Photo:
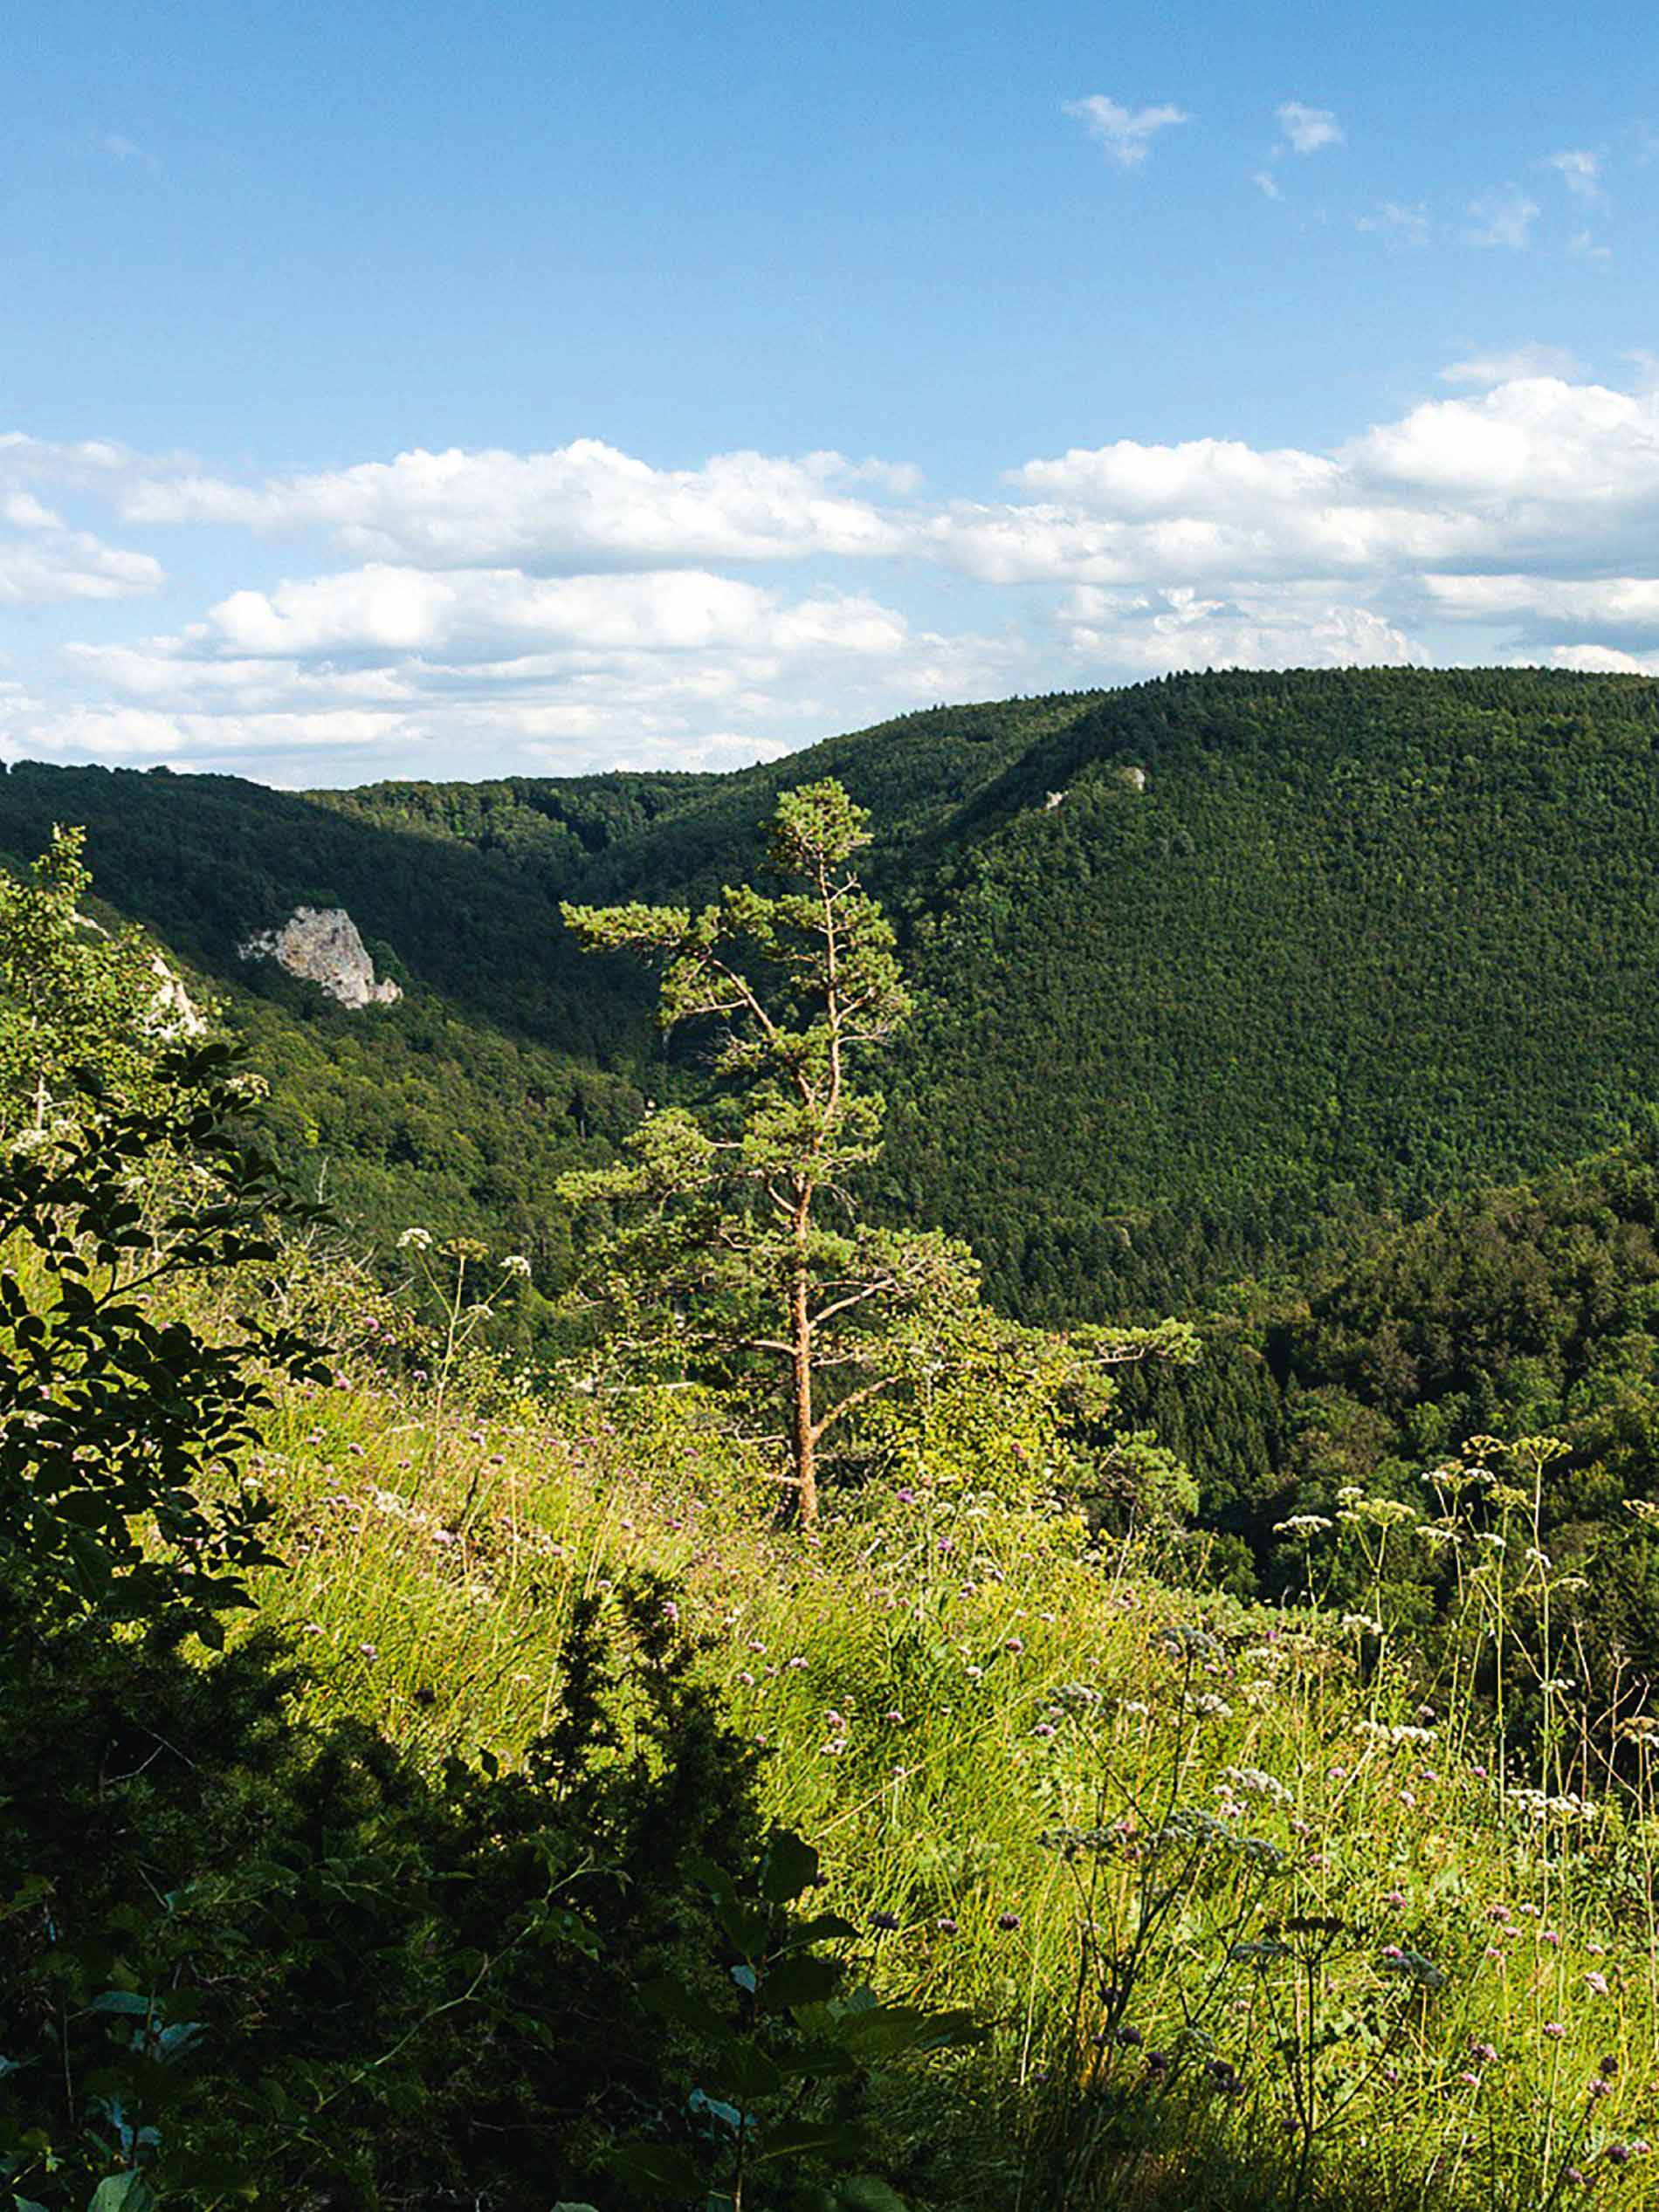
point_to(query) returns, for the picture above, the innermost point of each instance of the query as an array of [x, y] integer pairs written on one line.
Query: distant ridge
[[1347, 942]]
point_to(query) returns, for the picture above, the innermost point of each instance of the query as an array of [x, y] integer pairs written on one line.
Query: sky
[[473, 389]]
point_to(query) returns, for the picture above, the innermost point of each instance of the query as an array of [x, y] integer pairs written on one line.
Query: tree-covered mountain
[[1209, 969]]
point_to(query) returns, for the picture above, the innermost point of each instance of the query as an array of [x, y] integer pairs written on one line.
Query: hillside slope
[[1291, 950]]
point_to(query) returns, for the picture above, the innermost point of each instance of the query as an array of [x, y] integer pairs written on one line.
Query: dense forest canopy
[[1210, 972]]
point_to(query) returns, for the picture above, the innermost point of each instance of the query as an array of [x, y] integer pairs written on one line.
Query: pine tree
[[736, 1226]]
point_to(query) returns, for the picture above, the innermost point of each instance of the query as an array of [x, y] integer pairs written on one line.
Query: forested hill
[[1205, 967]]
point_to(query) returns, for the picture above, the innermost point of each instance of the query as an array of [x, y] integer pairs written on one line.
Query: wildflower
[[515, 1264], [945, 1925], [417, 1240], [1596, 1983], [1007, 1921], [1485, 2052], [369, 1651], [1608, 2066], [1554, 2030], [905, 1497], [1551, 1936], [1574, 2175], [1396, 1898], [884, 1922], [1600, 2087], [1617, 2154], [1013, 1643], [894, 1719], [1470, 2080]]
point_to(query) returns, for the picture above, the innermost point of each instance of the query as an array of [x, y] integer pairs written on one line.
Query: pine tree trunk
[[804, 1438]]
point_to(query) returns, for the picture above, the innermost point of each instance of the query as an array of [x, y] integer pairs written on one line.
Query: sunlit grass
[[1382, 1971]]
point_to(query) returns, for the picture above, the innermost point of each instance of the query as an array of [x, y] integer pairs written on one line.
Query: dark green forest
[[1315, 965]]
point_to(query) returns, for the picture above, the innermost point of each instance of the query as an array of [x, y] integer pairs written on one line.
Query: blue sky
[[457, 390]]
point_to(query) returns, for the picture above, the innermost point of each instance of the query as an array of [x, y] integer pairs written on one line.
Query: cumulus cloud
[[1145, 633], [1584, 247], [42, 560], [1309, 129], [449, 624], [1581, 171], [1126, 133], [579, 507], [1488, 369], [383, 670], [1501, 218]]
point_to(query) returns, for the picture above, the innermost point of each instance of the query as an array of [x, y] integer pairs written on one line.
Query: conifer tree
[[736, 1224]]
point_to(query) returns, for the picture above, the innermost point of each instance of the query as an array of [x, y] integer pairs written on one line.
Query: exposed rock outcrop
[[321, 944], [175, 1015]]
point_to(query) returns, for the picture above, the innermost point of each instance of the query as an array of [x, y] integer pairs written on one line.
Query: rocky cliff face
[[321, 944]]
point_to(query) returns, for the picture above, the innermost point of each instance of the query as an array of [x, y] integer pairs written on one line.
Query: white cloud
[[42, 560], [1264, 181], [1308, 129], [1515, 513], [1130, 634], [1488, 369], [379, 671], [1126, 133], [1579, 170], [1582, 244], [1401, 225], [1501, 218], [579, 507]]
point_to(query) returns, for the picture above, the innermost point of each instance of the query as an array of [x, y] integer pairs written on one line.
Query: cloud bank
[[474, 613]]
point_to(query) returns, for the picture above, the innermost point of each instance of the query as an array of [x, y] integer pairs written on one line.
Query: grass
[[1255, 1912]]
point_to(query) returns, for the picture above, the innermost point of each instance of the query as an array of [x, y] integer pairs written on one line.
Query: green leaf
[[746, 2071], [124, 2001], [127, 2192], [886, 2030], [869, 2193], [672, 2000], [746, 1926], [660, 2168], [806, 2139], [822, 1928], [789, 1867], [800, 1980]]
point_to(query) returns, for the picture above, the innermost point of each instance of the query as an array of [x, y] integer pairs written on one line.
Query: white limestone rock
[[321, 945], [175, 1015]]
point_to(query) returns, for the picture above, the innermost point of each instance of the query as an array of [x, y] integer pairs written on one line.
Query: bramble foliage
[[191, 1910], [78, 1006], [121, 1429]]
